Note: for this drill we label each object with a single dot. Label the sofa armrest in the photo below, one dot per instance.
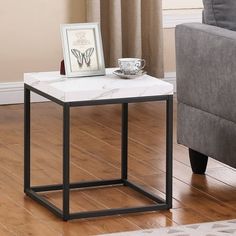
(206, 68)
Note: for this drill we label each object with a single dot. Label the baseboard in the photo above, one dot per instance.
(13, 92)
(171, 78)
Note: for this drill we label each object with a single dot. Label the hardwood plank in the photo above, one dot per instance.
(225, 174)
(151, 220)
(4, 231)
(114, 224)
(95, 154)
(115, 197)
(186, 216)
(205, 183)
(15, 189)
(187, 195)
(26, 224)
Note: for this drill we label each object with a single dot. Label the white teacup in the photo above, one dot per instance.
(131, 66)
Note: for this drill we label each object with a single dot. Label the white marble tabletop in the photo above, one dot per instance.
(108, 86)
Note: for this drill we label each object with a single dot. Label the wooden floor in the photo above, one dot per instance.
(95, 151)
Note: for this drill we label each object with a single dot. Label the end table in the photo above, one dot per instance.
(87, 91)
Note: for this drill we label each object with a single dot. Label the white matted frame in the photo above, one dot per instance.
(82, 49)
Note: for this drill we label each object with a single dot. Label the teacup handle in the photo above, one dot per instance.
(141, 64)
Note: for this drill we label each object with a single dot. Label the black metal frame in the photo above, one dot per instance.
(159, 203)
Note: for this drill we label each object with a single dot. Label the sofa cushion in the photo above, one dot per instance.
(221, 13)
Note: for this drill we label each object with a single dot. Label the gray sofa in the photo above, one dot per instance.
(206, 93)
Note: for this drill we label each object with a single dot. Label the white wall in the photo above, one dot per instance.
(30, 34)
(177, 11)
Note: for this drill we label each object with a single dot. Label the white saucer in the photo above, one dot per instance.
(124, 76)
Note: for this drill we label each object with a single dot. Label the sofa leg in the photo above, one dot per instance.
(198, 162)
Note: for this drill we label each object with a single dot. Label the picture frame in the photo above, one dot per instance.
(82, 49)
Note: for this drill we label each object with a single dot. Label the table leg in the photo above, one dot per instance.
(124, 142)
(66, 161)
(169, 150)
(64, 213)
(26, 139)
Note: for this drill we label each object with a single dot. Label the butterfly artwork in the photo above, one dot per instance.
(83, 57)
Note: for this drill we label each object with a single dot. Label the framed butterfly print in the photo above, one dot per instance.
(82, 49)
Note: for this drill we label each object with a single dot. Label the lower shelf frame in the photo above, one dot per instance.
(158, 202)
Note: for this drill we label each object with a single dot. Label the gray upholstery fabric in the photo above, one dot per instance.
(207, 133)
(206, 68)
(206, 90)
(203, 17)
(221, 13)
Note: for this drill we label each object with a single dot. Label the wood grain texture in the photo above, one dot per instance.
(95, 154)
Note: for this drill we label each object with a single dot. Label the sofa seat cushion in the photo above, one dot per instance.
(221, 13)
